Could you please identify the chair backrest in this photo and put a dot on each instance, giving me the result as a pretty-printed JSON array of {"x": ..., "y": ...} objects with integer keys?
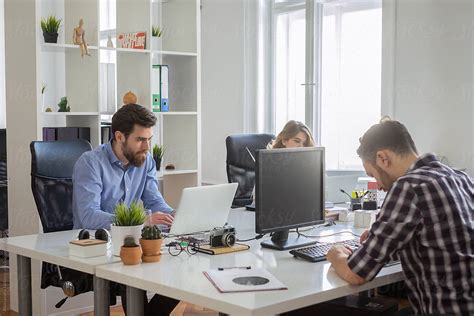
[
  {"x": 240, "y": 165},
  {"x": 52, "y": 164}
]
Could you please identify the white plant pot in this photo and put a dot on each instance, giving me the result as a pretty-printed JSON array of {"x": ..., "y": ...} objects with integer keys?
[
  {"x": 118, "y": 234},
  {"x": 155, "y": 43}
]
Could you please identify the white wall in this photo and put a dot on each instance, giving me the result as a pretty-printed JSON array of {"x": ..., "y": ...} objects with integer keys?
[
  {"x": 432, "y": 77},
  {"x": 222, "y": 47}
]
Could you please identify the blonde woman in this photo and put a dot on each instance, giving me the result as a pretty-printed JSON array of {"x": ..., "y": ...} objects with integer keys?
[{"x": 294, "y": 134}]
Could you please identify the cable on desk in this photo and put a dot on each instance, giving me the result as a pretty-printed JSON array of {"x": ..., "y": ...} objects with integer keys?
[
  {"x": 322, "y": 236},
  {"x": 256, "y": 238}
]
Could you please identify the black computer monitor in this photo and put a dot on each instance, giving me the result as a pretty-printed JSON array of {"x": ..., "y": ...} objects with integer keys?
[{"x": 289, "y": 194}]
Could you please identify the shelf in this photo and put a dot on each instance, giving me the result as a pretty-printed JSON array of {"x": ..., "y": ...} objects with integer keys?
[
  {"x": 175, "y": 113},
  {"x": 147, "y": 51},
  {"x": 162, "y": 173},
  {"x": 62, "y": 47},
  {"x": 70, "y": 113}
]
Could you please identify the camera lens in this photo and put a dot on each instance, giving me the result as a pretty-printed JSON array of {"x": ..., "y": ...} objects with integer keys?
[{"x": 228, "y": 239}]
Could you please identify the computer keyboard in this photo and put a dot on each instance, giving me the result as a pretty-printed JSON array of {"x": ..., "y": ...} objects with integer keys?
[{"x": 318, "y": 252}]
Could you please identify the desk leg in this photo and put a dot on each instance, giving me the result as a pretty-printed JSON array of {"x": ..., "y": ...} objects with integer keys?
[
  {"x": 101, "y": 297},
  {"x": 24, "y": 285},
  {"x": 135, "y": 301}
]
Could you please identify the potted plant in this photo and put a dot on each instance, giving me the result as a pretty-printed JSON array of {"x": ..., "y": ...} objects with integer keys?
[
  {"x": 130, "y": 252},
  {"x": 128, "y": 221},
  {"x": 63, "y": 107},
  {"x": 158, "y": 152},
  {"x": 156, "y": 37},
  {"x": 151, "y": 243},
  {"x": 50, "y": 27}
]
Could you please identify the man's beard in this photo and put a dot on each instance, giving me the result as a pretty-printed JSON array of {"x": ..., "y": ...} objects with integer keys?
[
  {"x": 385, "y": 178},
  {"x": 135, "y": 159}
]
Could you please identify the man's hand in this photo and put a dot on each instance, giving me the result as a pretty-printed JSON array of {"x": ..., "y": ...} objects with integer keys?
[
  {"x": 161, "y": 218},
  {"x": 364, "y": 236},
  {"x": 336, "y": 251},
  {"x": 338, "y": 255}
]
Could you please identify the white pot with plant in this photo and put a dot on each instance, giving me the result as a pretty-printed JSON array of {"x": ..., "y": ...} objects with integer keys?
[
  {"x": 156, "y": 37},
  {"x": 128, "y": 222}
]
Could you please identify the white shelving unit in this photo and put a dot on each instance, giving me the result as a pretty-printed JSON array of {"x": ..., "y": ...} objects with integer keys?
[{"x": 95, "y": 85}]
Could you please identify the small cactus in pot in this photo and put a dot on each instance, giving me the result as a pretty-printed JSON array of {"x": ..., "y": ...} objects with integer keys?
[
  {"x": 130, "y": 252},
  {"x": 151, "y": 243}
]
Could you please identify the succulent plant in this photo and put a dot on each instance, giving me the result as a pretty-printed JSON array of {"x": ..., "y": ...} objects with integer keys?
[
  {"x": 155, "y": 31},
  {"x": 129, "y": 241},
  {"x": 129, "y": 216},
  {"x": 151, "y": 232},
  {"x": 50, "y": 24},
  {"x": 63, "y": 107}
]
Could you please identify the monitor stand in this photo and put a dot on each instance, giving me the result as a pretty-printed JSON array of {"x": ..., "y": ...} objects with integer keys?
[{"x": 281, "y": 241}]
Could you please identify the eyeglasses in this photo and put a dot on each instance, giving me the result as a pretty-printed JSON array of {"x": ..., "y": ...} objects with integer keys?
[{"x": 176, "y": 247}]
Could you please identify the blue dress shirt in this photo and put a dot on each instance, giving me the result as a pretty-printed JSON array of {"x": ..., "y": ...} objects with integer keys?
[{"x": 100, "y": 181}]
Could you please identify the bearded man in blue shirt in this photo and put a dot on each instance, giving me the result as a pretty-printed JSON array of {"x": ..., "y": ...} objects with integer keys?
[{"x": 121, "y": 170}]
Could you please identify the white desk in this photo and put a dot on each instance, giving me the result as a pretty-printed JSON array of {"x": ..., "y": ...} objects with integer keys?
[
  {"x": 53, "y": 248},
  {"x": 181, "y": 277}
]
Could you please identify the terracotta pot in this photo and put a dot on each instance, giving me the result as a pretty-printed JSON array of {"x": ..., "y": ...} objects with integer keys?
[
  {"x": 130, "y": 255},
  {"x": 151, "y": 247},
  {"x": 153, "y": 258}
]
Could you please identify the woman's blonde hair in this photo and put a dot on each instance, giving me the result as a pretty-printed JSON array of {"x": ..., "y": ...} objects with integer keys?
[{"x": 291, "y": 129}]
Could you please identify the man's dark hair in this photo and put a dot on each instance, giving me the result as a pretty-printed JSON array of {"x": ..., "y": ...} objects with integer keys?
[
  {"x": 388, "y": 134},
  {"x": 128, "y": 115}
]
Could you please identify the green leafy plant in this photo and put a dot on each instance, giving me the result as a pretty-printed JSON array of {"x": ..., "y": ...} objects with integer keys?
[
  {"x": 63, "y": 107},
  {"x": 129, "y": 216},
  {"x": 129, "y": 242},
  {"x": 156, "y": 31},
  {"x": 151, "y": 232},
  {"x": 50, "y": 24},
  {"x": 158, "y": 151}
]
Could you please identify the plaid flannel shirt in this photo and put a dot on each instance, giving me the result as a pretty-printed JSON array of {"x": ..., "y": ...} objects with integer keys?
[{"x": 427, "y": 220}]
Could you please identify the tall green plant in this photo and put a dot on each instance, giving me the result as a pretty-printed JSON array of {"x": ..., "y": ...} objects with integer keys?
[
  {"x": 50, "y": 24},
  {"x": 129, "y": 216},
  {"x": 158, "y": 151},
  {"x": 155, "y": 31}
]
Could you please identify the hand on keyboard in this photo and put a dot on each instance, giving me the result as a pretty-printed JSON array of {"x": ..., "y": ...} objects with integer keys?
[{"x": 319, "y": 251}]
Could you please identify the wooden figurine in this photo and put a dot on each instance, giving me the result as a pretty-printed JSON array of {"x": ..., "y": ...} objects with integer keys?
[{"x": 79, "y": 39}]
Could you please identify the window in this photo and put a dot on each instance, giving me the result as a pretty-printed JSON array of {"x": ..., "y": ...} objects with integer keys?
[
  {"x": 347, "y": 59},
  {"x": 289, "y": 67},
  {"x": 350, "y": 80}
]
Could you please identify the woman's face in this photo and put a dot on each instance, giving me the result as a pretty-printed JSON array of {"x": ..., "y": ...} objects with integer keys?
[{"x": 298, "y": 141}]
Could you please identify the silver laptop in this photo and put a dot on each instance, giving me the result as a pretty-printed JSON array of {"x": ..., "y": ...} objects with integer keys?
[{"x": 203, "y": 208}]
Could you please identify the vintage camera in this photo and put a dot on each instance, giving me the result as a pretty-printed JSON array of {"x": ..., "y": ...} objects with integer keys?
[{"x": 222, "y": 236}]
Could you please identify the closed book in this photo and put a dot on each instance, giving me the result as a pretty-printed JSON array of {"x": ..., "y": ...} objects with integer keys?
[{"x": 86, "y": 248}]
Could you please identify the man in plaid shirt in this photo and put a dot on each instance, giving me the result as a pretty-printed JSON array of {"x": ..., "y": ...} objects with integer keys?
[{"x": 427, "y": 220}]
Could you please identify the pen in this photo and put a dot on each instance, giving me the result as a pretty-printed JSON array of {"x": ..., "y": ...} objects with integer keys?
[{"x": 229, "y": 268}]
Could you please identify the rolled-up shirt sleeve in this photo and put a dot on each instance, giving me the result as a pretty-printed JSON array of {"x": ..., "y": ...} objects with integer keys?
[
  {"x": 151, "y": 197},
  {"x": 87, "y": 188},
  {"x": 395, "y": 226}
]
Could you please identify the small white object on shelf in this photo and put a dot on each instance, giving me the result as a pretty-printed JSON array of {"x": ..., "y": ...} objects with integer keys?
[{"x": 86, "y": 248}]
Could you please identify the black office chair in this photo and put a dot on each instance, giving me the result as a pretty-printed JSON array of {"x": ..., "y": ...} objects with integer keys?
[
  {"x": 240, "y": 165},
  {"x": 52, "y": 165},
  {"x": 3, "y": 184}
]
